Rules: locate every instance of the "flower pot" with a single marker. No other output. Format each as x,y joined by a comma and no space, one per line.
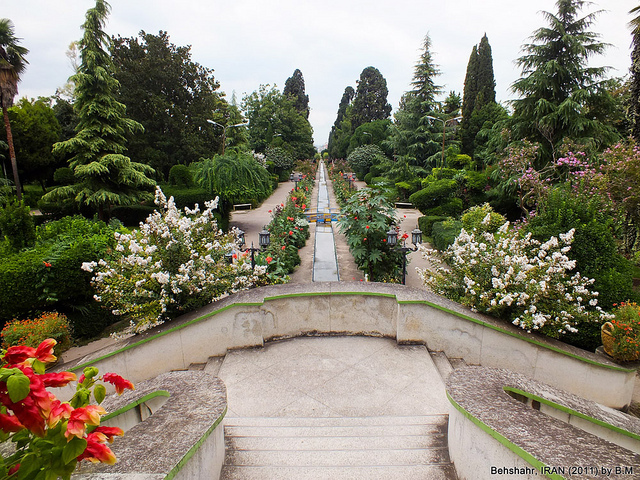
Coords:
608,341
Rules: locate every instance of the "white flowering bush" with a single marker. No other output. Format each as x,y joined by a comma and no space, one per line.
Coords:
172,263
516,278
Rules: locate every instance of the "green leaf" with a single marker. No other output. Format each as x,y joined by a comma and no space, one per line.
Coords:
18,386
38,367
99,393
28,464
74,448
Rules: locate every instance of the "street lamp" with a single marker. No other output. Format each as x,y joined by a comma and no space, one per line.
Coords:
350,177
444,127
224,130
295,177
392,241
264,241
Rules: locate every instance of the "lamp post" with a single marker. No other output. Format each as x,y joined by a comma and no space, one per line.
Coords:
264,239
392,241
224,130
350,177
295,177
444,128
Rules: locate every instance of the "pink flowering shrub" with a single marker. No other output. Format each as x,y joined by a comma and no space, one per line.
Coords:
518,279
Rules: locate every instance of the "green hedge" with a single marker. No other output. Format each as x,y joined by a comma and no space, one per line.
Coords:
433,195
425,223
132,215
444,233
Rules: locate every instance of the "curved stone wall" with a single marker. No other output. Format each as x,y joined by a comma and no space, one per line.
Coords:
250,318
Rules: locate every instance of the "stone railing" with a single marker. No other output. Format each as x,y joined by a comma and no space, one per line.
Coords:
249,319
506,425
180,438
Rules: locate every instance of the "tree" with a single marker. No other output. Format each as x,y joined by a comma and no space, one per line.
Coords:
274,121
294,87
36,129
372,133
341,130
634,106
172,97
104,175
479,95
413,133
561,96
370,102
12,64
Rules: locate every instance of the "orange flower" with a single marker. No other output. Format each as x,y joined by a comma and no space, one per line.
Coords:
81,417
269,259
97,451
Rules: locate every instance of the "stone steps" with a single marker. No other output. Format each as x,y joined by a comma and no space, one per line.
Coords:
446,365
337,448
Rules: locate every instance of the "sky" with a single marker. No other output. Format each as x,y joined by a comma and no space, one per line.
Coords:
254,42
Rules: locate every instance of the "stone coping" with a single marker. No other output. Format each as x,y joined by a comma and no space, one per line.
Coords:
402,294
481,395
160,446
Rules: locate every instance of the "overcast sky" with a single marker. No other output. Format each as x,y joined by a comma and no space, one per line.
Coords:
253,42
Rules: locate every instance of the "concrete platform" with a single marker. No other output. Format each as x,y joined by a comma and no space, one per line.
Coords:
333,377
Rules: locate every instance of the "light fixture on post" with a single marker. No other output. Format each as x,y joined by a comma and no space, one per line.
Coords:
392,241
224,130
444,129
264,243
295,177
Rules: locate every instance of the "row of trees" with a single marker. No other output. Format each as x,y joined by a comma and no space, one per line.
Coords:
144,96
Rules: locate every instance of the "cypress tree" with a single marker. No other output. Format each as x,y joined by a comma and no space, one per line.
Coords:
485,81
337,131
370,102
469,95
294,88
634,101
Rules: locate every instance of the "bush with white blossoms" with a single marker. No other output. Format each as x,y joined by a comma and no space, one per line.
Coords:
172,263
516,278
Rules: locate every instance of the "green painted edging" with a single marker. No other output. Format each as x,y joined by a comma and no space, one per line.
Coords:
183,461
515,335
134,404
371,294
526,456
575,413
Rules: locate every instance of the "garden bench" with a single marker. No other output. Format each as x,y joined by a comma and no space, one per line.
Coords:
242,206
404,205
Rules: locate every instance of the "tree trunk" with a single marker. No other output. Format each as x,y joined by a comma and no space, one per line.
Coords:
12,154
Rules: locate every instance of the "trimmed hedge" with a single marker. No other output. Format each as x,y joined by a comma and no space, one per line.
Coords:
433,195
445,233
425,223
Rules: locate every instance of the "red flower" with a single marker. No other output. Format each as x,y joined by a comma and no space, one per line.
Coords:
235,255
269,211
364,239
56,380
405,235
10,423
367,227
282,204
117,381
96,450
81,417
283,247
269,259
46,264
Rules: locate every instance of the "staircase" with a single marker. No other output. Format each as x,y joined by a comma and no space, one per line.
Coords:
337,448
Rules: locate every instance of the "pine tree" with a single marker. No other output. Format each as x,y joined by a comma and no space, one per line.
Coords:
105,176
370,102
561,96
294,87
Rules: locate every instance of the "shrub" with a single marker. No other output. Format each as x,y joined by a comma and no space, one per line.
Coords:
33,332
425,223
64,176
450,208
444,233
433,195
362,158
518,279
173,263
16,225
180,175
482,218
132,215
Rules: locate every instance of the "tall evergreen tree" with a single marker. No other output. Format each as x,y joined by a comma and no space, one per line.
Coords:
340,134
561,96
105,176
479,93
413,133
12,64
294,87
370,102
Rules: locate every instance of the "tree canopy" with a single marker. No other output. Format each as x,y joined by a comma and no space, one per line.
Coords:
294,88
171,96
370,102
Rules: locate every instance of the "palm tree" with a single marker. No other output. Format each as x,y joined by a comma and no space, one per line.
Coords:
12,64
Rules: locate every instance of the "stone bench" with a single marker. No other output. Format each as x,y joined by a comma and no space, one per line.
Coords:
179,437
507,425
